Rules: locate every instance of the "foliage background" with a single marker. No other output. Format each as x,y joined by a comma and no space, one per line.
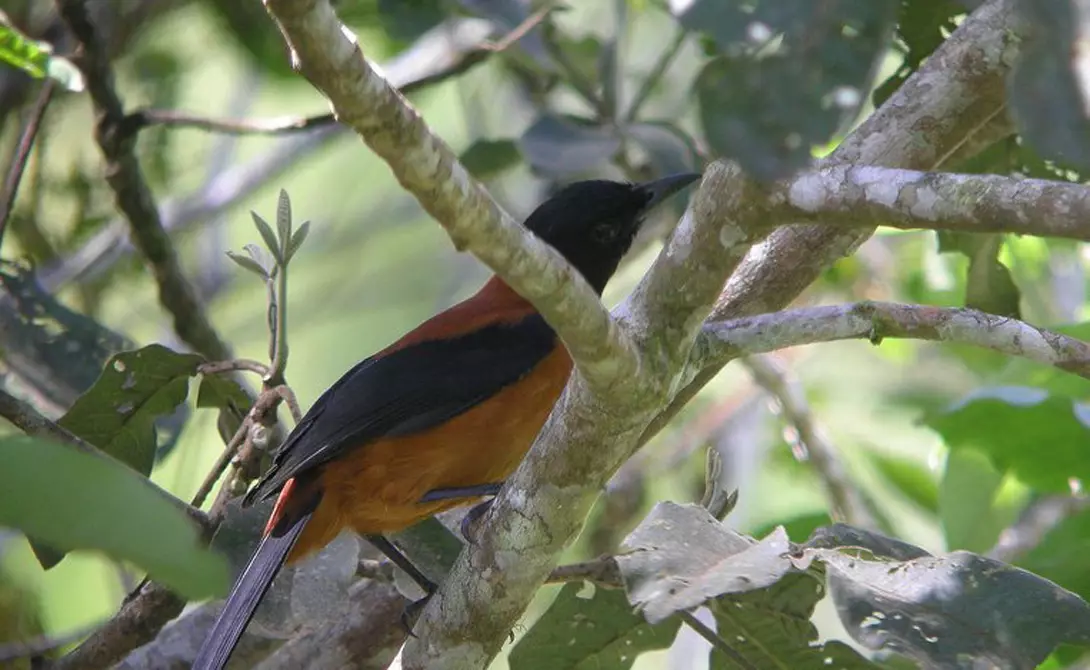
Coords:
375,265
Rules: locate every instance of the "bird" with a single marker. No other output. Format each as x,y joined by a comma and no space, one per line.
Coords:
440,417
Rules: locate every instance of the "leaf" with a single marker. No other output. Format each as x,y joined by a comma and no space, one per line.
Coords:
223,392
271,243
118,413
1041,438
955,611
680,556
297,239
1050,67
590,632
564,146
22,52
787,75
485,159
59,352
972,507
922,26
1061,555
247,263
771,628
73,500
909,478
989,286
670,150
843,535
283,222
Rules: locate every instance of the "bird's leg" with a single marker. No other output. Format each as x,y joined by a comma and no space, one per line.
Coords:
408,616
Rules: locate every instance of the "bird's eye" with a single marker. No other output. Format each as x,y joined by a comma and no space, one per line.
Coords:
604,233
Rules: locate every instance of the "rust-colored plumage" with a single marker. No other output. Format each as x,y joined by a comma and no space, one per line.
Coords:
455,403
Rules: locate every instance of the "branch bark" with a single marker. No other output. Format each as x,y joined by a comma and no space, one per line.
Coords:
726,340
327,54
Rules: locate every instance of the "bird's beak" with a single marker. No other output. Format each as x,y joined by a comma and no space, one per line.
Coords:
661,189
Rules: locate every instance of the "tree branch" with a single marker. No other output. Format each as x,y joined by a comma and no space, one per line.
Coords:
131,191
952,105
856,196
726,340
22,153
328,55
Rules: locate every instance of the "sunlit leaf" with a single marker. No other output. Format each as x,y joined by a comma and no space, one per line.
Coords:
73,500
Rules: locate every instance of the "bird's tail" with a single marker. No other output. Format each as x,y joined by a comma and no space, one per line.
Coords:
248,591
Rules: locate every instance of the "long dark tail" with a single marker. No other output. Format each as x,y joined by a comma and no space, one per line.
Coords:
248,591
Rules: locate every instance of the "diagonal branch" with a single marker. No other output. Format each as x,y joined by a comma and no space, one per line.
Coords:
132,194
328,55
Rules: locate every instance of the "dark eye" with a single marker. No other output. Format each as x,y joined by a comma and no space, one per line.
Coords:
604,233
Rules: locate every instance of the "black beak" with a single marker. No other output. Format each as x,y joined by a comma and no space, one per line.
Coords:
661,189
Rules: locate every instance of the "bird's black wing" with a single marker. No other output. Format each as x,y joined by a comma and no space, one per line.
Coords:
408,391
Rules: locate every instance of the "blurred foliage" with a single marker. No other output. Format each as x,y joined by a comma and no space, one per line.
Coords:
950,445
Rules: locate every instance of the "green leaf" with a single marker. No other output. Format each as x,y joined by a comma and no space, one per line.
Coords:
485,159
1043,439
249,264
598,630
770,628
283,222
955,611
787,76
1048,69
223,392
909,478
73,500
565,145
972,507
36,58
297,239
1061,556
989,285
22,52
118,413
267,234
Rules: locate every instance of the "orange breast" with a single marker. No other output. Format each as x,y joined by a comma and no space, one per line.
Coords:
376,488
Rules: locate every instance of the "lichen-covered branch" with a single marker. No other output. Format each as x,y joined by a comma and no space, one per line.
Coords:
861,196
329,56
726,340
953,104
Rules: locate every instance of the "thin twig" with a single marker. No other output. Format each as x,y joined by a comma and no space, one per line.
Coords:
22,152
846,501
225,458
132,195
714,640
1035,522
657,71
236,365
144,118
288,396
519,31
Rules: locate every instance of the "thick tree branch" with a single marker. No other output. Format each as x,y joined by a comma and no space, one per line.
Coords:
861,196
132,194
726,340
327,53
952,105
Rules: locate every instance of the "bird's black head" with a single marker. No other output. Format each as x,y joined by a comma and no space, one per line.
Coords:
592,223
